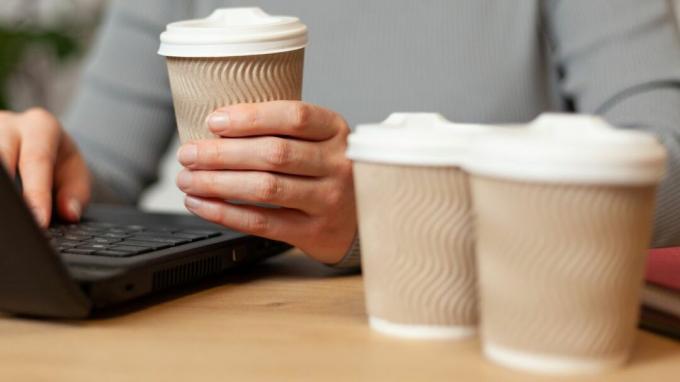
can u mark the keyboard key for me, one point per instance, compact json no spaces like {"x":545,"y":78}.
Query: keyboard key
{"x":68,"y":244}
{"x":155,"y":232}
{"x":113,"y":235}
{"x":147,"y":244}
{"x":76,"y":237}
{"x":182,"y":235}
{"x":103,"y":240}
{"x":163,"y":229}
{"x":156,"y":239}
{"x":54,"y":233}
{"x":95,"y":247}
{"x":97,"y":224}
{"x":83,"y":231}
{"x":129,"y":248}
{"x":114,"y":253}
{"x":203,"y":233}
{"x":173,"y":236}
{"x":79,"y":251}
{"x":189,"y":236}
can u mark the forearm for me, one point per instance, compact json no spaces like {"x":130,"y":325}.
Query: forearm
{"x":122,"y":117}
{"x":121,"y":143}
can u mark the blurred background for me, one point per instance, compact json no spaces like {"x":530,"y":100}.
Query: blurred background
{"x":42,"y":43}
{"x":42,"y":46}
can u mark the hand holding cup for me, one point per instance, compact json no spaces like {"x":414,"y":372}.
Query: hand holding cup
{"x":284,"y":153}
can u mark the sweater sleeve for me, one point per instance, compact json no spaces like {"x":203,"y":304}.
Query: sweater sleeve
{"x":122,"y":117}
{"x":621,"y":59}
{"x":351,"y":261}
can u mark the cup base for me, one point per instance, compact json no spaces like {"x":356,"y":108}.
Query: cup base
{"x":422,"y":332}
{"x":545,"y":364}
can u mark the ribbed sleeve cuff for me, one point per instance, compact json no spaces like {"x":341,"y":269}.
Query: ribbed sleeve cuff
{"x":352,"y":259}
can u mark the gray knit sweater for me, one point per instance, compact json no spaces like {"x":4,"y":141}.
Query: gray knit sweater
{"x":480,"y":61}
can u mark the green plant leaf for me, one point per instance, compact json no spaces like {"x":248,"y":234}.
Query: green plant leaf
{"x":14,"y":42}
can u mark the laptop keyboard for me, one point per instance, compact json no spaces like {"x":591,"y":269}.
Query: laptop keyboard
{"x":105,"y":239}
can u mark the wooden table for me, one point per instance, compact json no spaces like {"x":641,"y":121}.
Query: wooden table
{"x":287,"y":319}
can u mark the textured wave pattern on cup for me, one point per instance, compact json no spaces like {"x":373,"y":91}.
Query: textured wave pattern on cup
{"x":201,"y":85}
{"x":417,"y":244}
{"x":560,"y":266}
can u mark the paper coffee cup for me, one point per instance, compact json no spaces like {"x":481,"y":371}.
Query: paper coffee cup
{"x":236,"y":55}
{"x":564,"y":213}
{"x":415,"y":224}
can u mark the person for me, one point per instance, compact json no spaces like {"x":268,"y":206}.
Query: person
{"x":478,"y":61}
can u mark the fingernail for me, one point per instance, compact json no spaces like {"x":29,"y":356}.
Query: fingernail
{"x":74,"y":208}
{"x":39,"y":216}
{"x":184,"y":179}
{"x":192,"y":203}
{"x":187,"y":154}
{"x":218,"y":121}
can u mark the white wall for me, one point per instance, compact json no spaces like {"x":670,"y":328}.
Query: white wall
{"x":164,"y":195}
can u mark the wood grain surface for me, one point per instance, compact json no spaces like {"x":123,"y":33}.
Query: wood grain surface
{"x":288,"y":319}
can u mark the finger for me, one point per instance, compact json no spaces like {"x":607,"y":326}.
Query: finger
{"x":287,"y":118}
{"x":9,"y":147}
{"x":72,"y":183}
{"x":276,"y":224}
{"x":254,"y":186}
{"x":40,"y":138}
{"x":288,"y":156}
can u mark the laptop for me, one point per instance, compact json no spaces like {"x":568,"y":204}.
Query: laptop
{"x":112,"y":256}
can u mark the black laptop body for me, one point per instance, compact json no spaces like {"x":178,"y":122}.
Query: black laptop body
{"x":114,"y":255}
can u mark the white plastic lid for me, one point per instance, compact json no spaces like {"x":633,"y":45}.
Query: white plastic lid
{"x":419,"y":139}
{"x":570,"y":148}
{"x":233,"y":32}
